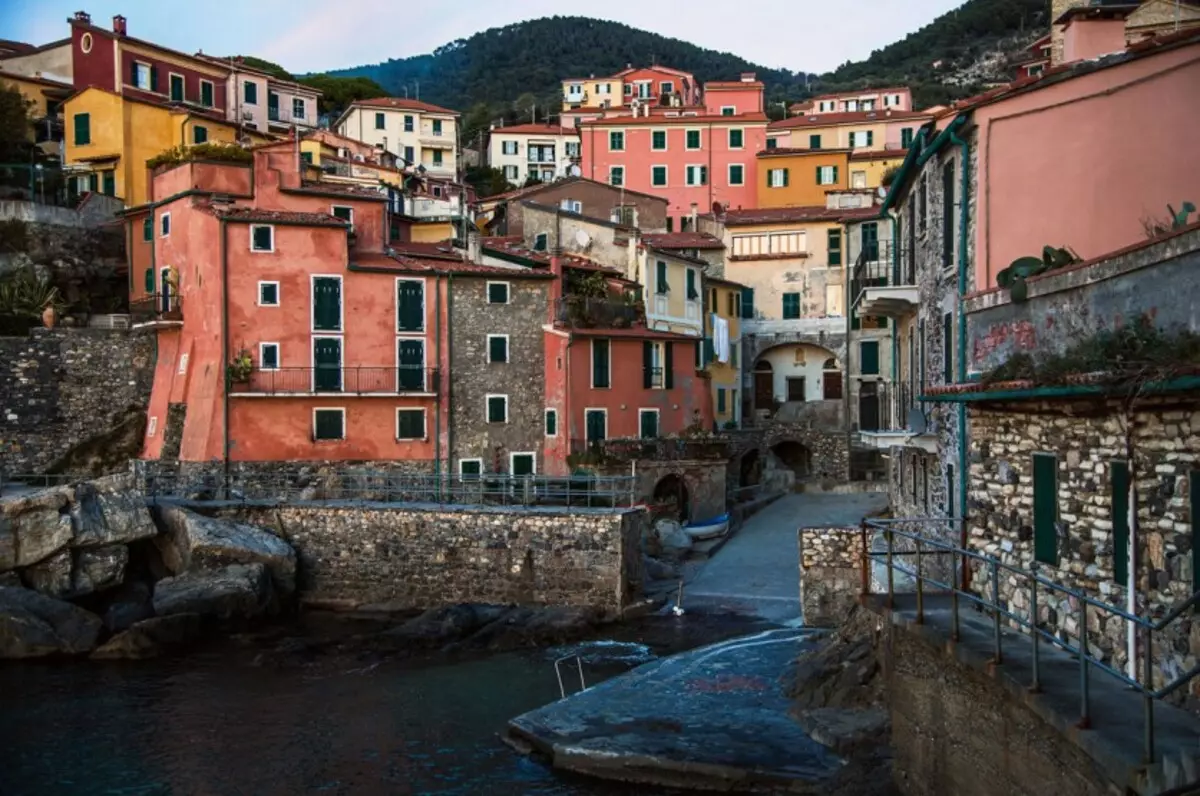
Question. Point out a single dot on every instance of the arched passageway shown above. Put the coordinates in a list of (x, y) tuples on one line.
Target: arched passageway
[(671, 493), (795, 457)]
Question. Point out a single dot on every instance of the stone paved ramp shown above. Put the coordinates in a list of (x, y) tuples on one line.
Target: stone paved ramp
[(713, 718)]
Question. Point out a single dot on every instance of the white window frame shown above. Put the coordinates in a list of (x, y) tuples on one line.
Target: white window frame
[(603, 410), (623, 141), (507, 349), (825, 175), (572, 206), (732, 108), (515, 174), (657, 422), (424, 358), (278, 297), (729, 174), (424, 424), (611, 171), (771, 181), (149, 70), (460, 467), (512, 456), (742, 130), (183, 363), (213, 92), (340, 409), (183, 93), (396, 307), (666, 139), (164, 225), (312, 312), (546, 418), (303, 107), (331, 209), (516, 147), (261, 359), (261, 226), (666, 175), (666, 87), (698, 130), (688, 172), (312, 358), (507, 292), (487, 399)]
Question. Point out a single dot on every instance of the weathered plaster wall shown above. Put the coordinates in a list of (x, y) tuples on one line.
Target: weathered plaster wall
[(361, 554), (830, 573), (1166, 446), (61, 389)]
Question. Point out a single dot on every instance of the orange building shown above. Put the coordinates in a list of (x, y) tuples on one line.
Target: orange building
[(801, 177)]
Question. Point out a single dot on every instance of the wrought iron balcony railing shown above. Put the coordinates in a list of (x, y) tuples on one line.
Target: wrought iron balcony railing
[(350, 380), (156, 307)]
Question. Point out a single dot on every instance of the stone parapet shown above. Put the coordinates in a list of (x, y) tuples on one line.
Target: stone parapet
[(831, 572)]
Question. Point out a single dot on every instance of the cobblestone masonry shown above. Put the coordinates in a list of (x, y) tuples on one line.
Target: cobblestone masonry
[(521, 378), (1166, 443), (61, 388), (274, 479), (830, 573), (415, 557)]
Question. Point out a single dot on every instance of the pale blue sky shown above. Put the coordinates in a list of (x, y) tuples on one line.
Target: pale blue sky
[(315, 35)]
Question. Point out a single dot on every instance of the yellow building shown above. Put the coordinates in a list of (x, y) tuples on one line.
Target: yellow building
[(800, 177), (109, 137), (860, 131), (867, 169), (592, 93), (723, 358), (673, 286)]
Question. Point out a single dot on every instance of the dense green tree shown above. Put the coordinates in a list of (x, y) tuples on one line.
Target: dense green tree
[(270, 67), (339, 92), (15, 143), (486, 180)]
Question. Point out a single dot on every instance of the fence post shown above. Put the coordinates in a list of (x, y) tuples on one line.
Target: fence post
[(1085, 720), (890, 574), (864, 560), (920, 586), (996, 608), (1036, 685), (1147, 699)]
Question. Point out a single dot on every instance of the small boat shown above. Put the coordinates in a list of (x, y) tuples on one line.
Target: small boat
[(710, 529)]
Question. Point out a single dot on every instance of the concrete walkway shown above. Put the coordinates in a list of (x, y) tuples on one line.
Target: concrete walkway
[(757, 573), (714, 718)]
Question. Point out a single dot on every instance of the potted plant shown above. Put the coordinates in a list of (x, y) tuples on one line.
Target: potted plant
[(240, 367)]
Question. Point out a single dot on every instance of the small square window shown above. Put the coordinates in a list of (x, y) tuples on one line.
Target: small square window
[(616, 175), (497, 348), (497, 292), (262, 238), (410, 424), (344, 213), (497, 408), (693, 139), (268, 356), (329, 424), (148, 229), (540, 242), (164, 225), (736, 139), (268, 294), (551, 422), (470, 468), (199, 134), (380, 122), (616, 141)]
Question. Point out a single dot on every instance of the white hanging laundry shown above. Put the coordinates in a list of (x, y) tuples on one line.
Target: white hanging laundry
[(721, 338)]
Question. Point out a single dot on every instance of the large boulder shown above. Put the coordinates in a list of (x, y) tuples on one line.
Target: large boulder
[(152, 637), (671, 541), (130, 604), (191, 541), (235, 591), (75, 573), (51, 576), (109, 511), (34, 527), (8, 546), (34, 625)]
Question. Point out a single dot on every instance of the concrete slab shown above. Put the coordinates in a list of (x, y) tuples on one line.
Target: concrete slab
[(713, 718), (757, 572)]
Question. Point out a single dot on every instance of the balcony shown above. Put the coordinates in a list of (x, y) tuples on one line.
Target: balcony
[(436, 141), (581, 312), (273, 113), (576, 98), (156, 311), (334, 380), (882, 285), (535, 157), (889, 415)]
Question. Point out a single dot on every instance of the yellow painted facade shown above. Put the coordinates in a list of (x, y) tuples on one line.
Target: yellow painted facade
[(789, 258), (669, 306), (595, 91), (800, 178), (122, 134), (35, 91), (724, 299), (868, 171), (431, 232)]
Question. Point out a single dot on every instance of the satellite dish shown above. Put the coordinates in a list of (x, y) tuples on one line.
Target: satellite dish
[(882, 192), (575, 171), (582, 238)]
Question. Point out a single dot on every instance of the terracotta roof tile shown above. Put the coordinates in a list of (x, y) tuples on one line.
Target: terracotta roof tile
[(640, 333), (537, 129), (627, 121), (251, 214), (442, 249), (855, 117), (772, 215), (683, 240), (879, 154), (403, 263), (401, 104), (798, 150), (352, 191), (731, 84)]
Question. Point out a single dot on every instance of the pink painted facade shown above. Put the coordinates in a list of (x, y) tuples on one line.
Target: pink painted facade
[(1090, 38), (626, 150), (1111, 150), (658, 82), (734, 97)]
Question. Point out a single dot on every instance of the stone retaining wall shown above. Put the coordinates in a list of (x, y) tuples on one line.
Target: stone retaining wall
[(830, 573), (73, 399), (359, 554)]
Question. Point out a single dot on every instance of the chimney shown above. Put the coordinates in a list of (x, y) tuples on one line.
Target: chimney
[(1092, 32), (473, 248), (119, 25), (747, 77), (556, 286), (694, 217), (84, 17)]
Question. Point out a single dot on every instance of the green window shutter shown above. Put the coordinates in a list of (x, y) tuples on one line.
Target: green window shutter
[(704, 175), (498, 293), (659, 139), (498, 349), (270, 357), (94, 182), (692, 293), (869, 357), (154, 78), (327, 363), (307, 157), (747, 310), (1045, 508), (660, 277), (721, 400), (110, 183), (263, 238), (600, 369), (835, 175), (497, 409), (148, 228), (251, 90), (1119, 474), (647, 364), (648, 425), (950, 488), (870, 137), (176, 88), (133, 72), (551, 423), (327, 304), (906, 137), (83, 129), (814, 142), (668, 365), (710, 351), (948, 348), (199, 134), (206, 94), (594, 423), (791, 306), (149, 280), (410, 424), (410, 306), (693, 139), (329, 424), (785, 178), (948, 215), (735, 139), (835, 247), (410, 355), (818, 175)]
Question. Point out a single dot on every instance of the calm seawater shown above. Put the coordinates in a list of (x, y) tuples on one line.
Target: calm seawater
[(215, 723)]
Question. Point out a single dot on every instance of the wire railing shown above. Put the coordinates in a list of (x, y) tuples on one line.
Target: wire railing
[(485, 489), (356, 380), (909, 553), (14, 481), (156, 307)]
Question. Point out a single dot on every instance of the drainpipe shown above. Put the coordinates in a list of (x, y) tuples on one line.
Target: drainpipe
[(965, 185), (225, 346), (437, 403), (449, 382), (895, 218)]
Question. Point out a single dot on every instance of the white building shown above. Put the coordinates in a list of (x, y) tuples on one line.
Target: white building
[(263, 102), (418, 133), (543, 151)]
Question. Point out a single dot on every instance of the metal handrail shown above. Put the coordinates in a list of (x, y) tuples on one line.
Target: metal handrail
[(1086, 659)]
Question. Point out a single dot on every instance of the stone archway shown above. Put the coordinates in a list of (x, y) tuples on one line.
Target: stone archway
[(671, 490), (750, 468), (795, 456)]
